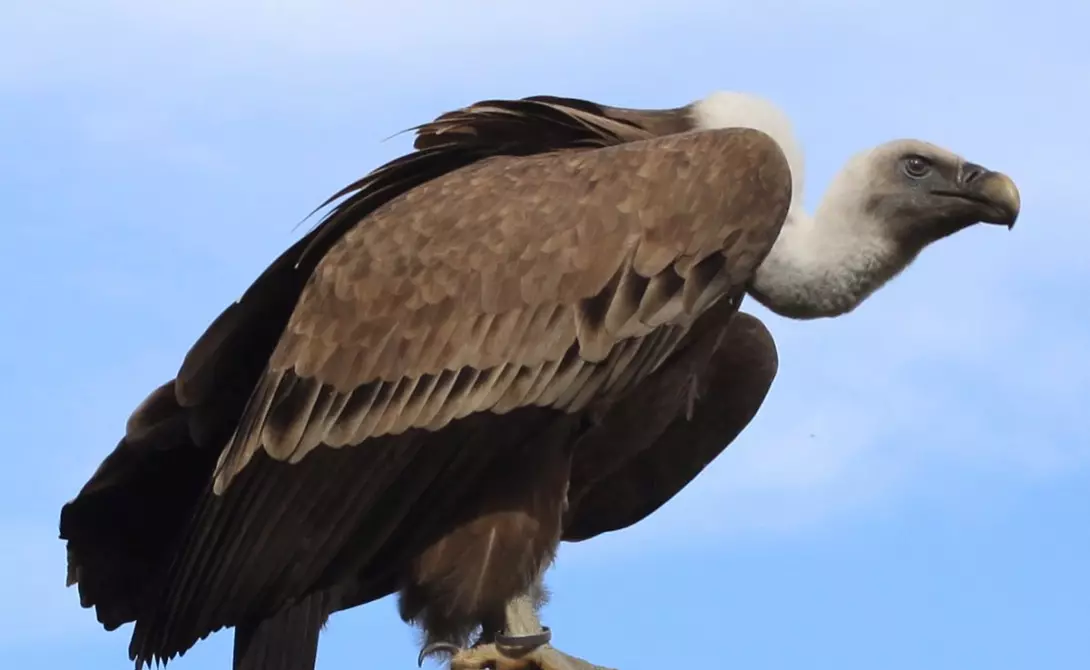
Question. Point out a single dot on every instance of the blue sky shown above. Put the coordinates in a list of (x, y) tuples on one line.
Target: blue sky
[(914, 494)]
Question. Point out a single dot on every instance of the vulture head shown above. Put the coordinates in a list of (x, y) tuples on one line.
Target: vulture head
[(881, 210)]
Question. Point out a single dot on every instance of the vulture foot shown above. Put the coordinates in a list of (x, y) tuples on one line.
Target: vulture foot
[(506, 652), (493, 656)]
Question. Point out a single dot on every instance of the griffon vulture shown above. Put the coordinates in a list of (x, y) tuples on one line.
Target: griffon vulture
[(525, 330)]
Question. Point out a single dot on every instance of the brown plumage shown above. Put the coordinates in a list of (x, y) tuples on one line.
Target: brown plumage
[(422, 365), (522, 331), (515, 281)]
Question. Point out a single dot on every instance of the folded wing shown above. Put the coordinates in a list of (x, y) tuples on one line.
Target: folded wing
[(555, 280), (546, 280)]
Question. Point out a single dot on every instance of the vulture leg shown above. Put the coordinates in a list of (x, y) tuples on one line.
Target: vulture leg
[(524, 644), (505, 535), (645, 450), (508, 642)]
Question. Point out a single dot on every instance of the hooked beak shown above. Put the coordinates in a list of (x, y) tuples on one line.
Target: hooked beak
[(993, 193)]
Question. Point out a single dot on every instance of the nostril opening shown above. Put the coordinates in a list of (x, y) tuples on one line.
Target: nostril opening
[(971, 172)]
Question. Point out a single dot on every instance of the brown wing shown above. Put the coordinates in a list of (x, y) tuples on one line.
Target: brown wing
[(132, 509), (657, 440), (122, 526), (654, 442), (531, 126), (516, 281)]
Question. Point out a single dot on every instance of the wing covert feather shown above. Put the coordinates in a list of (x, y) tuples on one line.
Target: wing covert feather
[(511, 281)]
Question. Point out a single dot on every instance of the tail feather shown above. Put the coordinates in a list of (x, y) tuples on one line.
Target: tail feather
[(122, 525), (286, 641)]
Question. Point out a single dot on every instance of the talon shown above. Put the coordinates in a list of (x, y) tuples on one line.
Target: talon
[(523, 644), (435, 648)]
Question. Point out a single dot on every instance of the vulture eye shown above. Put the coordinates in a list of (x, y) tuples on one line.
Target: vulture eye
[(916, 167)]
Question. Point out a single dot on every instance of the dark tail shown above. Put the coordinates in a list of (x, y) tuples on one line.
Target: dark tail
[(286, 641), (126, 519), (124, 525)]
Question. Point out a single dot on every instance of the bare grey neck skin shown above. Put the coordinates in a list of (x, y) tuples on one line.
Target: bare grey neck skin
[(822, 265), (827, 264), (883, 207)]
